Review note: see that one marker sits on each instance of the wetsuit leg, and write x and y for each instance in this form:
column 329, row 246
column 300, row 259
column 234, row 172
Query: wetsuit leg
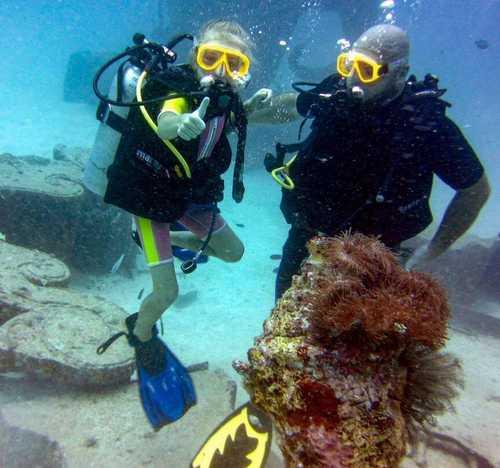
column 294, row 252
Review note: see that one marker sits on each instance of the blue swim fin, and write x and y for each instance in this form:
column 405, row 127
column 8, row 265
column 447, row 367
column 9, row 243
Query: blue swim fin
column 186, row 254
column 179, row 252
column 165, row 386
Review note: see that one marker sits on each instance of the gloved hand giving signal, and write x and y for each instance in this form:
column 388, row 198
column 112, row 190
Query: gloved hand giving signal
column 191, row 125
column 259, row 100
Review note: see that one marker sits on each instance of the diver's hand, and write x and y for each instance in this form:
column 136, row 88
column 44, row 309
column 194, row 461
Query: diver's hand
column 259, row 100
column 191, row 125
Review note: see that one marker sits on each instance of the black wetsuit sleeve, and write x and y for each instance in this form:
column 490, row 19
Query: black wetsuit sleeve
column 454, row 160
column 307, row 99
column 304, row 103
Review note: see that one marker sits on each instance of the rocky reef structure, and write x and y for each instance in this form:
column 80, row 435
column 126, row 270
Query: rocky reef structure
column 62, row 405
column 349, row 365
column 469, row 273
column 44, row 205
column 50, row 332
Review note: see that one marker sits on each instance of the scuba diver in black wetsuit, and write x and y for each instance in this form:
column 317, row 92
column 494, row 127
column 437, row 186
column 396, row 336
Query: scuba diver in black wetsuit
column 376, row 141
column 162, row 159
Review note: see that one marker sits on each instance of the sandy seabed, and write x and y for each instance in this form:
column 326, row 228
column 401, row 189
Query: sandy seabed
column 221, row 308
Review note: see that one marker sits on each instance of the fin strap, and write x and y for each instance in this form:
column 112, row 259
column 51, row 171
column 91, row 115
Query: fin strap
column 104, row 346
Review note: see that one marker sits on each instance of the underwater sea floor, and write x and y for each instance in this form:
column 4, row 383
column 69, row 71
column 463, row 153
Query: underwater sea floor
column 221, row 308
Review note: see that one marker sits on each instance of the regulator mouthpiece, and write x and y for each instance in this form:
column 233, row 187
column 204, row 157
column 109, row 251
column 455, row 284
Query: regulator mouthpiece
column 207, row 81
column 357, row 92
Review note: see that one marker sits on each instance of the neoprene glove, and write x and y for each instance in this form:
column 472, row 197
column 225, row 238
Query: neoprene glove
column 191, row 125
column 258, row 100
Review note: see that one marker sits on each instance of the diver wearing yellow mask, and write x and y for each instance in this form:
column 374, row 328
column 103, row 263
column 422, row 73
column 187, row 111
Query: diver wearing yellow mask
column 168, row 168
column 377, row 139
column 225, row 58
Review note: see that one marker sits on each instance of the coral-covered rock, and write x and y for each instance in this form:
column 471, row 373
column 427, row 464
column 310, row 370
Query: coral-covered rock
column 491, row 276
column 44, row 205
column 22, row 448
column 52, row 333
column 348, row 364
column 20, row 271
column 470, row 272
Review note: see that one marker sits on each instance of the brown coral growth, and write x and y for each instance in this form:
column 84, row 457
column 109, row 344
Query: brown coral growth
column 348, row 365
column 433, row 381
column 364, row 285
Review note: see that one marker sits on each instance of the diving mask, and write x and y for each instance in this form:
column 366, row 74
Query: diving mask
column 367, row 69
column 210, row 56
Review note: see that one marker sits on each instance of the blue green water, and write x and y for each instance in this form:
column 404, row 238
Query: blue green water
column 225, row 304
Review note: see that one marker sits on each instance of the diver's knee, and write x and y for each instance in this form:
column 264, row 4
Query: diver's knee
column 234, row 254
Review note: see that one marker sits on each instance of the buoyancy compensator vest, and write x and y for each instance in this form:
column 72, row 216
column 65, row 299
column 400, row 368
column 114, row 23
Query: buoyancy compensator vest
column 329, row 102
column 130, row 165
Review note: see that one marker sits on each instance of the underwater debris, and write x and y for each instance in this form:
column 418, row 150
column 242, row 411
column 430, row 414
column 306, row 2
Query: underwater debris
column 200, row 366
column 232, row 388
column 470, row 321
column 490, row 280
column 339, row 362
column 47, row 194
column 21, row 271
column 479, row 259
column 61, row 417
column 49, row 332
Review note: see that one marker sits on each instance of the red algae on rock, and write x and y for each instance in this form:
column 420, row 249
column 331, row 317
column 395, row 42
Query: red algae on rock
column 343, row 353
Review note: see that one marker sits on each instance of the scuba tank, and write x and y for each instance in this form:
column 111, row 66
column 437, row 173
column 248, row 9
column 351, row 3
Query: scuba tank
column 114, row 108
column 108, row 138
column 149, row 58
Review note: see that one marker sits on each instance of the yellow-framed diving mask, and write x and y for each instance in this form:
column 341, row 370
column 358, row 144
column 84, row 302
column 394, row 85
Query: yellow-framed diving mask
column 367, row 69
column 210, row 56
